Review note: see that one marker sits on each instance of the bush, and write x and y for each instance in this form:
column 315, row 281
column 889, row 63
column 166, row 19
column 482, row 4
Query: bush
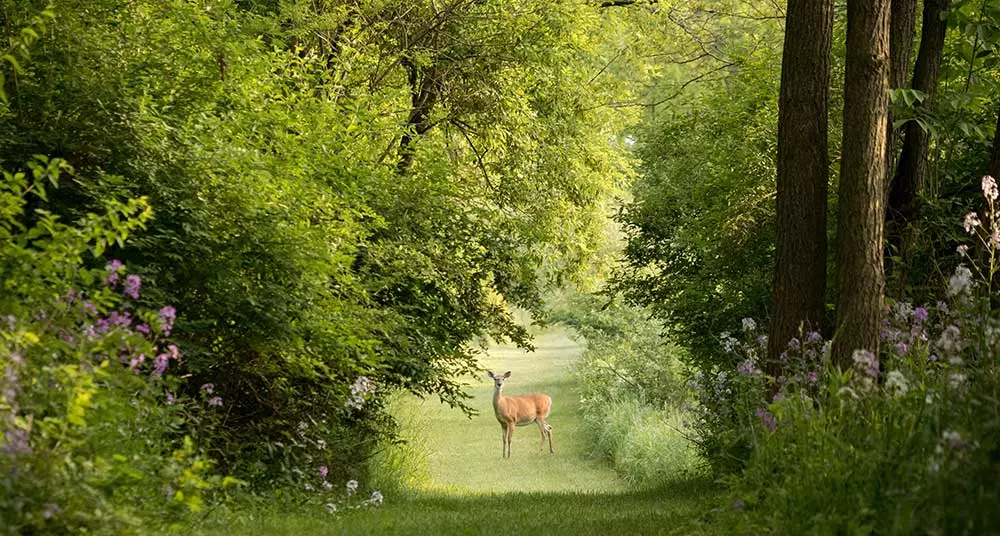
column 93, row 438
column 903, row 442
column 631, row 391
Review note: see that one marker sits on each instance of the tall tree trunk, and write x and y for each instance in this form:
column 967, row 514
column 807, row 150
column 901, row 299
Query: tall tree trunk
column 903, row 20
column 803, row 174
column 909, row 178
column 860, row 279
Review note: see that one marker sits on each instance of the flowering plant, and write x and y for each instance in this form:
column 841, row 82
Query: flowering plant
column 85, row 399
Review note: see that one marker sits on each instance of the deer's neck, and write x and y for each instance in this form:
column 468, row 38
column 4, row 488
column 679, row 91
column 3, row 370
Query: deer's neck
column 498, row 399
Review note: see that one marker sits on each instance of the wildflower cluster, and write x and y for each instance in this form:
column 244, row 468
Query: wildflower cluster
column 360, row 389
column 84, row 373
column 335, row 501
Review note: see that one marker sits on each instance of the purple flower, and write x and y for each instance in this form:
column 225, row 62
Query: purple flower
column 777, row 397
column 132, row 285
column 114, row 268
column 902, row 348
column 811, row 377
column 160, row 365
column 89, row 308
column 323, row 471
column 215, row 401
column 767, row 418
column 867, row 362
column 166, row 316
column 119, row 319
column 747, row 368
column 136, row 362
column 143, row 328
column 920, row 314
column 794, row 343
column 170, row 398
column 813, row 337
column 16, row 442
column 208, row 387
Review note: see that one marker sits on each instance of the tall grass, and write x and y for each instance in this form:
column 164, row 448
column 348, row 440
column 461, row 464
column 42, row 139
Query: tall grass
column 630, row 380
column 402, row 465
column 644, row 443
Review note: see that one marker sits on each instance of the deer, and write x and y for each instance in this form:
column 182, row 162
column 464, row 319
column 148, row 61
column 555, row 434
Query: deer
column 521, row 410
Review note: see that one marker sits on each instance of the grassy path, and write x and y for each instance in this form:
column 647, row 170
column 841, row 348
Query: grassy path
column 465, row 455
column 471, row 490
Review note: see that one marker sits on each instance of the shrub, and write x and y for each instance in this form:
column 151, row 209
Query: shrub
column 905, row 441
column 93, row 437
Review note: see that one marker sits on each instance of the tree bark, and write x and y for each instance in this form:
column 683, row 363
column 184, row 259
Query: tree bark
column 860, row 279
column 423, row 97
column 799, row 290
column 902, row 21
column 910, row 173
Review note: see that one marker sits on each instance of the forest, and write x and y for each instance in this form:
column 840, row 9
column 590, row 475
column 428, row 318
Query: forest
column 257, row 257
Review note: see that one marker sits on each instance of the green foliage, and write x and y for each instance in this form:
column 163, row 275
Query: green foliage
column 701, row 226
column 90, row 441
column 631, row 389
column 317, row 220
column 903, row 442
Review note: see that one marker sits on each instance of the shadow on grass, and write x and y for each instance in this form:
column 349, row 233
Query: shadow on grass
column 678, row 508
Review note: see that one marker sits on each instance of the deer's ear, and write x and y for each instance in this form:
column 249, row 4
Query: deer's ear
column 490, row 374
column 506, row 374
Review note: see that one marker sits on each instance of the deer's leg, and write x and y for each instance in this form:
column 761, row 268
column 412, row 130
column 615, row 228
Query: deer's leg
column 503, row 440
column 541, row 430
column 510, row 434
column 546, row 431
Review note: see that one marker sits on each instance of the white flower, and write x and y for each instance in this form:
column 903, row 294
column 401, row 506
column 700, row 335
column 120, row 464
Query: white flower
column 728, row 342
column 331, row 507
column 327, row 485
column 990, row 191
column 896, row 382
column 971, row 222
column 376, row 498
column 962, row 249
column 957, row 379
column 749, row 324
column 960, row 282
column 352, row 486
column 950, row 342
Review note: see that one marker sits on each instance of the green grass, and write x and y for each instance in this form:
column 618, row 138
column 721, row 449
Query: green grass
column 465, row 454
column 461, row 485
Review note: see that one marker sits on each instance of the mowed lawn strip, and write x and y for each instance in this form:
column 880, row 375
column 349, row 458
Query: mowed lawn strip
column 465, row 454
column 472, row 490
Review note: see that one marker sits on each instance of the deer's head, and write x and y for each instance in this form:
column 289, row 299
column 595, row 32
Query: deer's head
column 498, row 380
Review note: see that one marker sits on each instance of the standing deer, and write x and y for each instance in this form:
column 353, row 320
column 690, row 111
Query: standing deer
column 520, row 411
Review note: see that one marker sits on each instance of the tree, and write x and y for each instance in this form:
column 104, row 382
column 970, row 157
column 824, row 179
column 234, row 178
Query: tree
column 800, row 272
column 902, row 21
column 909, row 177
column 860, row 279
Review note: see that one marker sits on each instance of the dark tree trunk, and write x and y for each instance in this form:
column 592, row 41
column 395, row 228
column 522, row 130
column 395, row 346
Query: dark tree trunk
column 423, row 96
column 803, row 174
column 860, row 279
column 909, row 178
column 902, row 21
column 901, row 30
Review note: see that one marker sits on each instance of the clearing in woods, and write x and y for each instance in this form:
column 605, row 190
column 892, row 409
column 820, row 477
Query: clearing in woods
column 471, row 490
